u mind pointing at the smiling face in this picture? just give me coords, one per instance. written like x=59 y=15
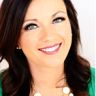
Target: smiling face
x=46 y=33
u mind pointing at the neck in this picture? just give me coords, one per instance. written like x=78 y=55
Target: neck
x=48 y=78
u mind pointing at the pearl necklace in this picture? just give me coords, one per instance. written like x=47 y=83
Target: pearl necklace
x=66 y=91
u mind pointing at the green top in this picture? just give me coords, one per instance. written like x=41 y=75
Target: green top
x=91 y=85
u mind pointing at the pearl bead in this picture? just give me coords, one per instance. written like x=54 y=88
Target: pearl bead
x=71 y=94
x=37 y=94
x=66 y=90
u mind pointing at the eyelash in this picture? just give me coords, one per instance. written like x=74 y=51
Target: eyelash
x=33 y=26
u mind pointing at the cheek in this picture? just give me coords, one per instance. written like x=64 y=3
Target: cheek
x=28 y=44
x=64 y=30
x=66 y=34
x=27 y=41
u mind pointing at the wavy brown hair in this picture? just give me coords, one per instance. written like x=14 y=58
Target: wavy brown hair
x=16 y=80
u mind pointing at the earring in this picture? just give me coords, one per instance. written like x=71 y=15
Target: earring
x=18 y=48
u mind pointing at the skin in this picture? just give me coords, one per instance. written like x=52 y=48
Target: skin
x=46 y=69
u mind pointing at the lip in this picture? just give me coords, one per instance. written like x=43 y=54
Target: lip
x=50 y=50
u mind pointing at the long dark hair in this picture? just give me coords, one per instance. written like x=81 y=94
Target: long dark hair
x=17 y=79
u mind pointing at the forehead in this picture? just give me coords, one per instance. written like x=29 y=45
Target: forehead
x=45 y=7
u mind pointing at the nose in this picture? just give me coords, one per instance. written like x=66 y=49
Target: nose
x=48 y=34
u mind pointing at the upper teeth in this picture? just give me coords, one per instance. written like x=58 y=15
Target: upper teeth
x=51 y=48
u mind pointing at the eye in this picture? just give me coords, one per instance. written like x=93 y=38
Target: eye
x=58 y=20
x=30 y=26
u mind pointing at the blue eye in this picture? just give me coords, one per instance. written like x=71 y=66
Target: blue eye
x=30 y=27
x=58 y=20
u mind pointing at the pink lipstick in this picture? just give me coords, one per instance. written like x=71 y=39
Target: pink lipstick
x=51 y=49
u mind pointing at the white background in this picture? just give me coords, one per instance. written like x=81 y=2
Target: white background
x=87 y=20
x=86 y=17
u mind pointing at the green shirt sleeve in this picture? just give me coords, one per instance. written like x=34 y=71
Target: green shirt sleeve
x=92 y=85
x=0 y=87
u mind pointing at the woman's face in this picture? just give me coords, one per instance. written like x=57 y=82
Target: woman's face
x=46 y=33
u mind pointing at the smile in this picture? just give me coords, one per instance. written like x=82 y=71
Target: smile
x=51 y=49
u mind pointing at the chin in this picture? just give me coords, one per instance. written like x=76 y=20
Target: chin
x=53 y=62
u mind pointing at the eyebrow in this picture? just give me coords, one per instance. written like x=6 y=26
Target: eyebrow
x=52 y=16
x=58 y=13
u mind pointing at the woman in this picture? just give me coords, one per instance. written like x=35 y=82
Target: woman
x=39 y=39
